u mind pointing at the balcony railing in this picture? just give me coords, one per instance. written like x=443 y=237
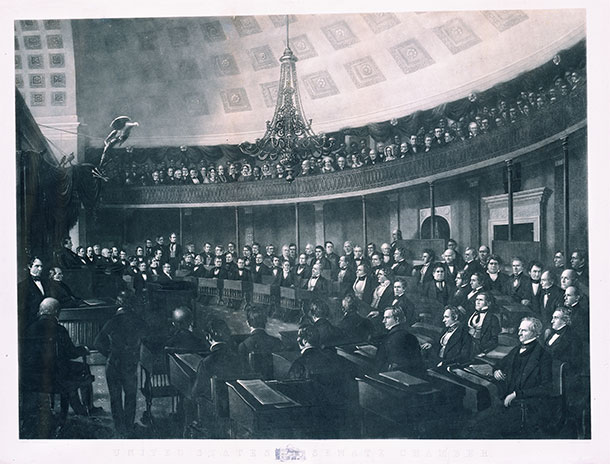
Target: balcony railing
x=527 y=134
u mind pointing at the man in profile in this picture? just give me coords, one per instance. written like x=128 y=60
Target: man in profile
x=399 y=349
x=119 y=340
x=63 y=369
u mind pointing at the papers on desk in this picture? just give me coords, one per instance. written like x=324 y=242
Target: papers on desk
x=192 y=360
x=368 y=351
x=263 y=393
x=402 y=378
x=93 y=302
x=482 y=369
x=499 y=352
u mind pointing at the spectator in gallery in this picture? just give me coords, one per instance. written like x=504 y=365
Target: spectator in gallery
x=389 y=153
x=266 y=172
x=356 y=163
x=428 y=143
x=246 y=173
x=404 y=149
x=414 y=148
x=256 y=173
x=341 y=163
x=279 y=171
x=193 y=177
x=328 y=165
x=212 y=179
x=220 y=174
x=306 y=168
x=439 y=140
x=203 y=175
x=155 y=178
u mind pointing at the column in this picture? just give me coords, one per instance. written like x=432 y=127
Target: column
x=475 y=210
x=364 y=234
x=509 y=182
x=432 y=218
x=319 y=222
x=297 y=233
x=394 y=200
x=566 y=199
x=237 y=247
x=246 y=224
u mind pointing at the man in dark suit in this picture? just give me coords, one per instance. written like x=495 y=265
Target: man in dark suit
x=218 y=271
x=207 y=255
x=401 y=301
x=316 y=283
x=483 y=256
x=31 y=293
x=483 y=325
x=63 y=370
x=517 y=279
x=181 y=336
x=530 y=291
x=476 y=288
x=286 y=277
x=495 y=280
x=439 y=289
x=259 y=269
x=199 y=269
x=400 y=267
x=345 y=276
x=562 y=342
x=525 y=374
x=423 y=272
x=472 y=265
x=302 y=271
x=58 y=289
x=359 y=257
x=462 y=289
x=329 y=334
x=230 y=264
x=165 y=277
x=355 y=328
x=258 y=341
x=387 y=255
x=364 y=284
x=276 y=271
x=320 y=259
x=314 y=362
x=399 y=349
x=574 y=300
x=222 y=360
x=332 y=257
x=66 y=258
x=552 y=296
x=451 y=267
x=454 y=344
x=578 y=262
x=240 y=272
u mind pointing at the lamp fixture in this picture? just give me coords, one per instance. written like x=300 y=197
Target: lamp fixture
x=289 y=137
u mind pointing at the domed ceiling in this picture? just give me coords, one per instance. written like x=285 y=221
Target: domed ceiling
x=213 y=80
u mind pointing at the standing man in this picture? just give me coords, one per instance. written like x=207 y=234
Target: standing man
x=174 y=251
x=119 y=340
x=31 y=293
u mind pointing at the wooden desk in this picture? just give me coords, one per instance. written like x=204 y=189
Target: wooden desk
x=307 y=413
x=476 y=396
x=363 y=359
x=85 y=322
x=419 y=409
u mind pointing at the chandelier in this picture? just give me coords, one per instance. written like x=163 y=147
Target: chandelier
x=288 y=137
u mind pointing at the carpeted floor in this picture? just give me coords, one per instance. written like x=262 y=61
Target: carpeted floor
x=165 y=422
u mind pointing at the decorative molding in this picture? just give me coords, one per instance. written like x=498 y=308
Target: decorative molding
x=528 y=207
x=456 y=35
x=514 y=141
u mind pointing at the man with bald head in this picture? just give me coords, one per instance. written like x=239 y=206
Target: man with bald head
x=552 y=296
x=574 y=300
x=316 y=283
x=449 y=261
x=63 y=370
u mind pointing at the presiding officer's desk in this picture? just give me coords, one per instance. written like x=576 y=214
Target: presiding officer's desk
x=397 y=404
x=287 y=409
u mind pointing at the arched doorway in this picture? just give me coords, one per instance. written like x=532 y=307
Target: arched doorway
x=441 y=228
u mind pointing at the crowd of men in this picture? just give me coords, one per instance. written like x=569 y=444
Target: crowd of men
x=336 y=155
x=465 y=288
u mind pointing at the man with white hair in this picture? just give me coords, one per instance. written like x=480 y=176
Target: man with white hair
x=316 y=283
x=562 y=342
x=525 y=374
